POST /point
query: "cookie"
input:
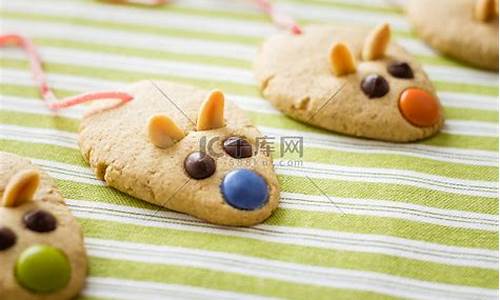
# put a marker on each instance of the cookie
(42, 255)
(349, 81)
(466, 30)
(184, 149)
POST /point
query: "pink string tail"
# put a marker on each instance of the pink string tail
(279, 18)
(122, 98)
(44, 89)
(35, 62)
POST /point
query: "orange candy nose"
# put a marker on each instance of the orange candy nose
(419, 107)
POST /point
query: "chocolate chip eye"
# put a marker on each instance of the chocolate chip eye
(199, 165)
(237, 147)
(7, 238)
(40, 221)
(374, 86)
(400, 70)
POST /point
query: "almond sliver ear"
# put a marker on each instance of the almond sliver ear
(376, 42)
(211, 115)
(21, 188)
(163, 132)
(342, 61)
(485, 10)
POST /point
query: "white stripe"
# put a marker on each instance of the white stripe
(306, 237)
(479, 188)
(68, 172)
(137, 64)
(129, 15)
(343, 16)
(390, 176)
(126, 289)
(390, 209)
(417, 47)
(462, 75)
(325, 141)
(468, 101)
(329, 141)
(476, 128)
(159, 43)
(263, 268)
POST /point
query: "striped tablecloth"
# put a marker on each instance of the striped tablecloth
(399, 220)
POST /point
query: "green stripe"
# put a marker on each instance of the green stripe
(161, 53)
(471, 114)
(219, 280)
(38, 121)
(129, 76)
(392, 192)
(395, 161)
(139, 28)
(292, 253)
(177, 8)
(385, 10)
(440, 61)
(466, 88)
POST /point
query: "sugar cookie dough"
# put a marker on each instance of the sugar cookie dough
(463, 29)
(184, 149)
(349, 81)
(42, 255)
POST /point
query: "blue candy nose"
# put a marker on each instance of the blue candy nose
(244, 189)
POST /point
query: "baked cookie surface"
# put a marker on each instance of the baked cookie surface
(463, 29)
(184, 149)
(349, 81)
(42, 255)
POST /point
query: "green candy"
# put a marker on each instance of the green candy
(43, 269)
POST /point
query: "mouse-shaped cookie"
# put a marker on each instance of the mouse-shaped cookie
(184, 149)
(42, 255)
(463, 29)
(349, 81)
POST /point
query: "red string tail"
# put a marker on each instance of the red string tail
(41, 79)
(279, 18)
